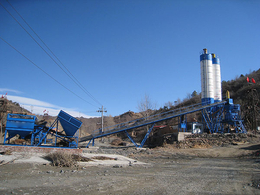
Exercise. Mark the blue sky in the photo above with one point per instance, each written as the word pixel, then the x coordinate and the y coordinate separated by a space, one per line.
pixel 121 50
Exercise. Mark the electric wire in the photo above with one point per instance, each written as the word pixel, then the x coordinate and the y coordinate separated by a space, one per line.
pixel 45 72
pixel 83 88
pixel 71 76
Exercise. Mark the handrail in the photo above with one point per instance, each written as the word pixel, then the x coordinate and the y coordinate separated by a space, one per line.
pixel 148 120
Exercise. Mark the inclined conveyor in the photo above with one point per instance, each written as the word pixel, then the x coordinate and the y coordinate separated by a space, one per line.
pixel 212 113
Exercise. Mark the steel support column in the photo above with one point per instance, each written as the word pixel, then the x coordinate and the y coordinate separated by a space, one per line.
pixel 146 136
pixel 129 136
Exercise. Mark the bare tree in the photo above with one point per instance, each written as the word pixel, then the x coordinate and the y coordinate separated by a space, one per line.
pixel 168 105
pixel 145 106
pixel 178 101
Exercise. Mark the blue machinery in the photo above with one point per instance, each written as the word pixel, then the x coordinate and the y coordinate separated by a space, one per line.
pixel 26 126
pixel 218 117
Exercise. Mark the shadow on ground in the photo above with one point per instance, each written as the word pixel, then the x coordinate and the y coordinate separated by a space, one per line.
pixel 253 147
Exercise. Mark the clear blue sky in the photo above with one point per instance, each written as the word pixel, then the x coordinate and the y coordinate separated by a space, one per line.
pixel 121 50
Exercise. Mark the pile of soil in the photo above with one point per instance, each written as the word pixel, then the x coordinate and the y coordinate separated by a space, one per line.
pixel 215 140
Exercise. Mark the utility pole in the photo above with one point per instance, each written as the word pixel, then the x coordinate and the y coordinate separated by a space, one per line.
pixel 102 119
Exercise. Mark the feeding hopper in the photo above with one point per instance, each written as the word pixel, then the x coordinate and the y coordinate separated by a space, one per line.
pixel 19 124
pixel 70 124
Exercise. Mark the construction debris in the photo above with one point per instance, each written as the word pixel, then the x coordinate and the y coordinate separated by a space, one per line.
pixel 103 158
pixel 7 152
pixel 118 142
pixel 213 140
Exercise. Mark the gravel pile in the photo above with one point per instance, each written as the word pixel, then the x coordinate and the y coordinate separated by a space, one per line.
pixel 209 140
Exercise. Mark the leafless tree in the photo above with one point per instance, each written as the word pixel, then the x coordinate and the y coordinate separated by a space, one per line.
pixel 168 104
pixel 178 101
pixel 146 106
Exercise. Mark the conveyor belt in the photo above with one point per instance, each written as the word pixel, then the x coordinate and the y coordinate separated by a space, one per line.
pixel 147 120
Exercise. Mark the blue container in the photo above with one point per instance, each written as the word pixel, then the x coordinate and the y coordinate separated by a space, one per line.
pixel 70 124
pixel 18 124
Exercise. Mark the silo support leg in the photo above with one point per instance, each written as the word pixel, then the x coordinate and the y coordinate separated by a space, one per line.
pixel 207 121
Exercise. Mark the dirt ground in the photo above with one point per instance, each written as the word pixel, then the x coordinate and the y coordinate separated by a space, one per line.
pixel 233 169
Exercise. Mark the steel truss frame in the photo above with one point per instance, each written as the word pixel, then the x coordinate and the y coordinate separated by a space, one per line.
pixel 129 136
pixel 218 119
pixel 214 116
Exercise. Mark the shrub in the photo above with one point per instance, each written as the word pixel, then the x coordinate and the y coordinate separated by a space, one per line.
pixel 65 159
pixel 62 159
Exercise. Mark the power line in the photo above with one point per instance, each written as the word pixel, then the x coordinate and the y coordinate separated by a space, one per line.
pixel 70 75
pixel 83 88
pixel 45 71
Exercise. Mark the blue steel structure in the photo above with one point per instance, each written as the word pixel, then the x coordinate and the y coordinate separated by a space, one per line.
pixel 219 116
pixel 26 126
pixel 216 116
pixel 223 118
pixel 22 125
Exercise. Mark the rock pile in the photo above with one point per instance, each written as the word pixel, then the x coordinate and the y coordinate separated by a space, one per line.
pixel 211 140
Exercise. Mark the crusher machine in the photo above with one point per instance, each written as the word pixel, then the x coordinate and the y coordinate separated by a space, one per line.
pixel 27 127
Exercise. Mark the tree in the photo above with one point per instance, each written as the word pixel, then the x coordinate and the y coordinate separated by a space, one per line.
pixel 168 105
pixel 178 101
pixel 188 96
pixel 145 106
pixel 194 93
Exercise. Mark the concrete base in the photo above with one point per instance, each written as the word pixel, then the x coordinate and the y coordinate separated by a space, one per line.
pixel 181 135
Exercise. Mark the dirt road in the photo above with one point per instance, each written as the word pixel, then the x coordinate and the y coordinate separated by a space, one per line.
pixel 168 171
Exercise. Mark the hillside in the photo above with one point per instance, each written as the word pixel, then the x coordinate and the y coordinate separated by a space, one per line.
pixel 91 124
pixel 239 87
pixel 246 94
pixel 7 106
pixel 242 92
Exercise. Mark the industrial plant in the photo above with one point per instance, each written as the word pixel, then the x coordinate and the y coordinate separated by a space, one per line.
pixel 218 116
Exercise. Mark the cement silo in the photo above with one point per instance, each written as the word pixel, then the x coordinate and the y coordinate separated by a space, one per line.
pixel 207 83
pixel 216 79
